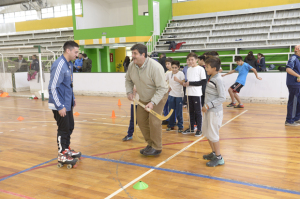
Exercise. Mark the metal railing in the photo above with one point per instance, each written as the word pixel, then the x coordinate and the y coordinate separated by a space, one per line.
pixel 151 44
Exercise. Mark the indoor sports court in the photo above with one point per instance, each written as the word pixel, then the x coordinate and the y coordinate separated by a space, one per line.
pixel 76 61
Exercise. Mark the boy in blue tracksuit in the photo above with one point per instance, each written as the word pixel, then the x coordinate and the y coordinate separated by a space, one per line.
pixel 62 101
pixel 293 84
pixel 78 63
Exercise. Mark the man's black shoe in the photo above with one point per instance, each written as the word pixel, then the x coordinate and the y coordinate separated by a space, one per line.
pixel 145 149
pixel 152 151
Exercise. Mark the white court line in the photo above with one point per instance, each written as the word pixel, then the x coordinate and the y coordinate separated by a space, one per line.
pixel 163 162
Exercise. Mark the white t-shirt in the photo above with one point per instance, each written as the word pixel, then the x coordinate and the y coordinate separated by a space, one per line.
pixel 176 87
pixel 195 74
pixel 168 72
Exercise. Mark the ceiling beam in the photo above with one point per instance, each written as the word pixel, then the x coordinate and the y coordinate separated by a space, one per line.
pixel 11 2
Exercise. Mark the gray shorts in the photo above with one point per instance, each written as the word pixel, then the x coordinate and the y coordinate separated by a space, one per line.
pixel 212 122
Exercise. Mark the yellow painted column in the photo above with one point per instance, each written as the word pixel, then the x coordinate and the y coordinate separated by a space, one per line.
pixel 120 54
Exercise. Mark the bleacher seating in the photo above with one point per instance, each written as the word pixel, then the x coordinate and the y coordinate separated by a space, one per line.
pixel 278 27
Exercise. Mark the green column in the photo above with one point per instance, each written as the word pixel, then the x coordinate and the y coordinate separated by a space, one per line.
pixel 105 64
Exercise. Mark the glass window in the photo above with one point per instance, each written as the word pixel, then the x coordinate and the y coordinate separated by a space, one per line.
pixel 20 16
pixel 1 18
pixel 78 10
pixel 47 13
pixel 9 17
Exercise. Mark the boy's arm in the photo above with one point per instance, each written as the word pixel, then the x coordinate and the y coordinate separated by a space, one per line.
pixel 222 95
pixel 202 79
pixel 230 72
pixel 255 72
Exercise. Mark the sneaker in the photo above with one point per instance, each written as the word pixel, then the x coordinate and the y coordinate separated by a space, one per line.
pixel 126 138
pixel 215 162
pixel 298 122
pixel 180 130
pixel 152 152
pixel 195 127
pixel 239 106
pixel 184 106
pixel 231 104
pixel 170 128
pixel 165 122
pixel 74 154
pixel 198 133
pixel 147 148
pixel 209 156
pixel 292 124
pixel 188 131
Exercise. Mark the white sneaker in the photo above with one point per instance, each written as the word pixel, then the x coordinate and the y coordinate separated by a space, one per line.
pixel 292 124
pixel 298 122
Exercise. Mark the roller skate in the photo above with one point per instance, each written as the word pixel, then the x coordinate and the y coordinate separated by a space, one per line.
pixel 66 158
pixel 75 154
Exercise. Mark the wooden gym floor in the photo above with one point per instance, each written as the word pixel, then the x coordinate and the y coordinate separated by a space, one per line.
pixel 262 158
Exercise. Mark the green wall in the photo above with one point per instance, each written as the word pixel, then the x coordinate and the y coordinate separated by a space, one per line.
pixel 142 25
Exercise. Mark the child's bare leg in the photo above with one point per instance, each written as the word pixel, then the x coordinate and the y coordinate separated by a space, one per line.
pixel 231 95
pixel 211 145
pixel 217 148
pixel 237 98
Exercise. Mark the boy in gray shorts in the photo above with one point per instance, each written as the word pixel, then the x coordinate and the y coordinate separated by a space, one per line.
pixel 213 110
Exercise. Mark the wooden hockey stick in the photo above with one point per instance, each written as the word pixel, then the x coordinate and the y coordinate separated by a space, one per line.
pixel 160 117
pixel 134 127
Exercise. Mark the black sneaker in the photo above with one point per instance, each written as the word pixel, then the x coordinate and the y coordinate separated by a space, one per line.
pixel 126 138
pixel 180 130
pixel 152 152
pixel 198 133
pixel 145 149
pixel 188 131
pixel 209 156
pixel 170 129
pixel 165 122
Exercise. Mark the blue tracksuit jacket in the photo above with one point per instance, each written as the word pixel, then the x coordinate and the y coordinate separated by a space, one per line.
pixel 61 85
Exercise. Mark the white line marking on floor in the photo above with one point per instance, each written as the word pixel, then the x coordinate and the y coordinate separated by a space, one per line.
pixel 22 128
pixel 104 118
pixel 28 122
pixel 1 132
pixel 44 125
pixel 102 123
pixel 163 162
pixel 34 127
pixel 94 119
pixel 12 130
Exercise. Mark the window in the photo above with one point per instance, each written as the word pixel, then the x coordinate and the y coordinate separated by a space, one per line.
pixel 9 17
pixel 78 9
pixel 69 10
pixel 20 16
pixel 47 13
pixel 31 15
pixel 1 18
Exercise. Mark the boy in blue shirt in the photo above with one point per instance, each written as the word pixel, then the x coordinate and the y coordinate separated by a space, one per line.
pixel 243 69
pixel 293 84
pixel 78 63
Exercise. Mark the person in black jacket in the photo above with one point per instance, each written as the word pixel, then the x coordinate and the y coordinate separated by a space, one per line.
pixel 250 59
pixel 35 64
pixel 261 63
pixel 22 64
pixel 162 61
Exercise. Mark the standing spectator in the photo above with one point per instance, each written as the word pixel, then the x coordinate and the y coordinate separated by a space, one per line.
pixel 78 63
pixel 22 64
pixel 261 63
pixel 184 70
pixel 162 61
pixel 293 84
pixel 250 59
pixel 201 62
pixel 87 64
pixel 126 63
pixel 35 64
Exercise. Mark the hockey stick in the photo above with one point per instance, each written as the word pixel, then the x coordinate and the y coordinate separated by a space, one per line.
pixel 188 107
pixel 134 127
pixel 160 117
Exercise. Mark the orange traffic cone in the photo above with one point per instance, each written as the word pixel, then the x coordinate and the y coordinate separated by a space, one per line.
pixel 119 103
pixel 5 94
pixel 113 115
pixel 76 114
pixel 20 118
